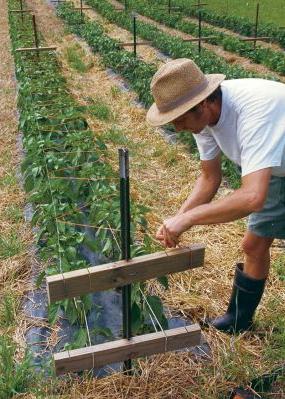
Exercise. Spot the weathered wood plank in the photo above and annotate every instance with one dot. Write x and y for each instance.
(20, 11)
(132, 44)
(252, 39)
(22, 49)
(196, 39)
(123, 349)
(118, 274)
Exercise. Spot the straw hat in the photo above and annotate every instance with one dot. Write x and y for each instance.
(177, 87)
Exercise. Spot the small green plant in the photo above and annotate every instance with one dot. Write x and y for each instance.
(116, 136)
(10, 245)
(15, 377)
(100, 110)
(278, 266)
(14, 213)
(75, 56)
(8, 180)
(8, 310)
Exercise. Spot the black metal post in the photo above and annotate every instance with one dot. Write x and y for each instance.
(21, 8)
(81, 11)
(169, 6)
(135, 33)
(36, 34)
(35, 31)
(256, 24)
(125, 245)
(200, 31)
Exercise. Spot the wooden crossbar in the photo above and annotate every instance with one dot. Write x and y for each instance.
(118, 351)
(83, 8)
(252, 39)
(21, 49)
(196, 39)
(20, 11)
(118, 274)
(137, 44)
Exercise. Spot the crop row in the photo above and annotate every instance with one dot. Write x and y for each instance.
(235, 23)
(61, 153)
(274, 60)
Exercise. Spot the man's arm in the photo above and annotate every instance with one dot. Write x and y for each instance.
(206, 185)
(249, 198)
(204, 190)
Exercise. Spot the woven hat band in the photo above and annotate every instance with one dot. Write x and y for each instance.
(193, 92)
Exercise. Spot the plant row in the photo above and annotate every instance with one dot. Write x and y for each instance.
(274, 60)
(61, 155)
(236, 23)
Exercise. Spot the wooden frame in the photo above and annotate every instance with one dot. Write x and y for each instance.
(21, 49)
(254, 39)
(137, 44)
(117, 351)
(118, 274)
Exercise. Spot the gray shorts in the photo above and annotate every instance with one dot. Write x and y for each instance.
(270, 221)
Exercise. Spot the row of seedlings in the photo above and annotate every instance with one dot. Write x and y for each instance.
(272, 59)
(70, 182)
(236, 23)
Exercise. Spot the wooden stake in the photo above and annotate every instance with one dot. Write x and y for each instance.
(117, 274)
(117, 351)
(23, 49)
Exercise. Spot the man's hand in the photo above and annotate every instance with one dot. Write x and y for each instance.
(170, 231)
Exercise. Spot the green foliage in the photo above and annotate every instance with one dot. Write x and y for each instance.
(274, 60)
(278, 265)
(75, 56)
(14, 213)
(10, 245)
(100, 110)
(8, 309)
(61, 152)
(15, 377)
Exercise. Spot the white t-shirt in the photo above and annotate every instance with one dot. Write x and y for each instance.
(251, 128)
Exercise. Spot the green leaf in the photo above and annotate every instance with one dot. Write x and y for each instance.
(53, 311)
(40, 278)
(136, 318)
(104, 331)
(164, 281)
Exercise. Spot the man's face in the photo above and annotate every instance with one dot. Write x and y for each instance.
(194, 121)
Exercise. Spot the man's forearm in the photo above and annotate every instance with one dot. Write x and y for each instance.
(235, 206)
(203, 192)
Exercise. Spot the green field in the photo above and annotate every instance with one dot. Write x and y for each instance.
(270, 10)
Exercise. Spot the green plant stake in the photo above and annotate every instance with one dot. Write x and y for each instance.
(125, 245)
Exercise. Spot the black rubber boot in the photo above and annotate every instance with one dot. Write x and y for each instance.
(246, 295)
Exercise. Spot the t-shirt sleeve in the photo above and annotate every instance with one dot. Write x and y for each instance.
(260, 143)
(207, 146)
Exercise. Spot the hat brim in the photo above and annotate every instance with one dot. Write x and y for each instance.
(157, 118)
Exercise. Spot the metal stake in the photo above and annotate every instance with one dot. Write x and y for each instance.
(126, 5)
(125, 245)
(35, 34)
(169, 6)
(200, 30)
(135, 33)
(21, 8)
(81, 11)
(256, 24)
